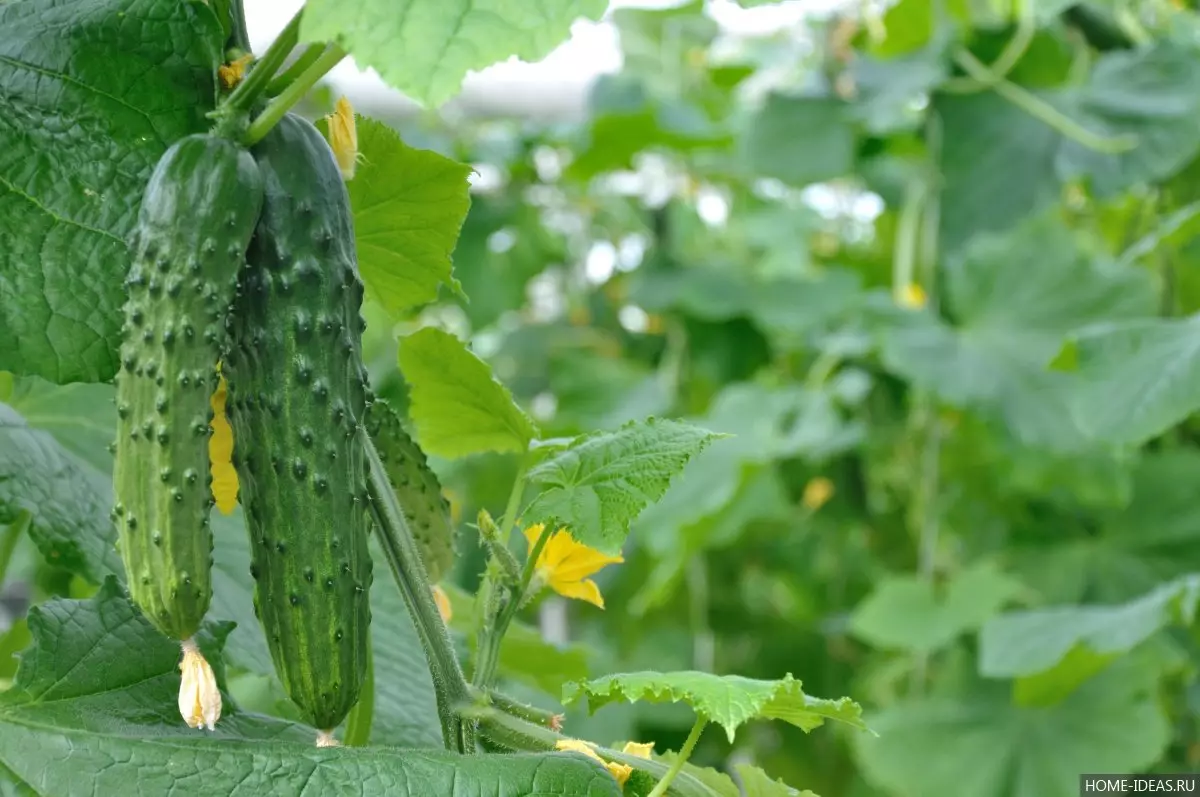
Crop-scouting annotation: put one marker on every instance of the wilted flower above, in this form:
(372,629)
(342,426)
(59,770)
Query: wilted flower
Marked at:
(619,771)
(199,698)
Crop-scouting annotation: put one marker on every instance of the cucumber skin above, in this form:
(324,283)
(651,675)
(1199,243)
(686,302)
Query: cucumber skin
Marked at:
(297,394)
(417,488)
(197,216)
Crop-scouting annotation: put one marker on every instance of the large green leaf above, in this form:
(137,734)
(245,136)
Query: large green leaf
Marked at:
(799,140)
(1011,320)
(1135,379)
(426,49)
(131,76)
(458,406)
(94,709)
(602,481)
(1026,643)
(67,499)
(756,783)
(977,743)
(908,613)
(728,700)
(409,205)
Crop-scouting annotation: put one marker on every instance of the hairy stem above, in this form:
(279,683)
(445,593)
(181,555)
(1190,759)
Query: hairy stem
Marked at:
(685,753)
(404,558)
(248,91)
(303,61)
(291,95)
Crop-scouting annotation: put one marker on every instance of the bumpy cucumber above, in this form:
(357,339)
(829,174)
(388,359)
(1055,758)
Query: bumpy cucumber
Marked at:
(416,486)
(197,216)
(297,394)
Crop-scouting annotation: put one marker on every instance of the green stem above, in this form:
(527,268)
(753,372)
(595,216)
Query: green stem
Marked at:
(908,227)
(1008,58)
(509,520)
(518,709)
(10,538)
(489,646)
(404,558)
(685,753)
(303,61)
(238,35)
(513,733)
(1044,112)
(358,724)
(248,91)
(291,95)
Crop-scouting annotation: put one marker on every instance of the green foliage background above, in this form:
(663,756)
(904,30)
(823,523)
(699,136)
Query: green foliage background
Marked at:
(1006,573)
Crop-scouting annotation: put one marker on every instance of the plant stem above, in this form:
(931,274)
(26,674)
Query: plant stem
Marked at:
(492,634)
(489,648)
(303,61)
(238,36)
(291,95)
(404,558)
(518,709)
(1044,111)
(358,724)
(685,752)
(1008,58)
(248,91)
(9,539)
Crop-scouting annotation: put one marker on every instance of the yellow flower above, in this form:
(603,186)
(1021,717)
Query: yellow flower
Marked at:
(232,73)
(817,492)
(199,698)
(639,749)
(220,452)
(443,603)
(619,771)
(343,137)
(912,296)
(565,565)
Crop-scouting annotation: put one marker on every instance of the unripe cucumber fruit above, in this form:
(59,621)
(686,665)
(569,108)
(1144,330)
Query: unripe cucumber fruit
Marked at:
(197,216)
(297,394)
(417,488)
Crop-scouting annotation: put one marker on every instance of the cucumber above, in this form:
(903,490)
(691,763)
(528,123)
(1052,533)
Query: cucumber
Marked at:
(297,395)
(417,488)
(197,216)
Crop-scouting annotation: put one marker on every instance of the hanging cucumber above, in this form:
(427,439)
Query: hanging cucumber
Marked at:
(197,215)
(417,488)
(297,395)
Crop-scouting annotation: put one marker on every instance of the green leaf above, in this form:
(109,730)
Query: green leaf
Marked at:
(69,194)
(1151,93)
(909,613)
(978,744)
(756,783)
(81,416)
(997,165)
(409,205)
(728,700)
(426,49)
(95,709)
(1011,322)
(458,406)
(800,140)
(598,485)
(1136,379)
(68,500)
(1030,642)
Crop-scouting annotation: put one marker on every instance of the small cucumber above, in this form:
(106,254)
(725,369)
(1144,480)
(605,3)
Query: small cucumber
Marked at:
(197,216)
(417,488)
(297,395)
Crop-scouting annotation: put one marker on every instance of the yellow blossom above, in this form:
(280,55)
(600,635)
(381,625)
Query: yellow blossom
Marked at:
(232,73)
(619,771)
(343,137)
(912,296)
(199,698)
(565,565)
(443,603)
(220,452)
(639,749)
(817,492)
